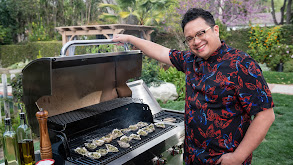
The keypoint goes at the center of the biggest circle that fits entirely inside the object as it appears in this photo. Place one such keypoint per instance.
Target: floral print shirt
(222, 94)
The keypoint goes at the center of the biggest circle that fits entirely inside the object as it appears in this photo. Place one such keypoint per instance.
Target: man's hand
(229, 159)
(121, 38)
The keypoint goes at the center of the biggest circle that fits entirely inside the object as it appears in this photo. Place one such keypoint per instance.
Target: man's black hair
(194, 13)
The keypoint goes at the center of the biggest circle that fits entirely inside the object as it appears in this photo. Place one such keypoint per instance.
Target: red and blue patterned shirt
(222, 94)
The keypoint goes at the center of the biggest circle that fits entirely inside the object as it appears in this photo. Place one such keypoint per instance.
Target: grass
(278, 77)
(277, 148)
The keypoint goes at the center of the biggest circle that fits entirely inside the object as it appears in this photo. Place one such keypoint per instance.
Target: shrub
(175, 77)
(287, 34)
(239, 39)
(279, 54)
(224, 34)
(288, 66)
(11, 54)
(261, 41)
(150, 70)
(103, 48)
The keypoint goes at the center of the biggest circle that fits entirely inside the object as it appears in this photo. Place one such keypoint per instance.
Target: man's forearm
(255, 133)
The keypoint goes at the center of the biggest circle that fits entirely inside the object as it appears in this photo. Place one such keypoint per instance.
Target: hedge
(11, 54)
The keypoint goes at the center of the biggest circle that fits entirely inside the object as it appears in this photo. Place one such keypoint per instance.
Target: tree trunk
(89, 14)
(55, 9)
(282, 12)
(273, 12)
(288, 15)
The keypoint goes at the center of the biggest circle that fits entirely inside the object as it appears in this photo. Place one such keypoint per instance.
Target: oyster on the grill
(142, 132)
(135, 136)
(98, 142)
(91, 146)
(81, 151)
(133, 127)
(107, 139)
(102, 151)
(141, 124)
(111, 148)
(169, 119)
(125, 130)
(94, 155)
(116, 133)
(125, 139)
(151, 127)
(160, 125)
(147, 129)
(123, 144)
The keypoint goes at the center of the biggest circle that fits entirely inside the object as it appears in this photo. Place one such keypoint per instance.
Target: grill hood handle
(88, 43)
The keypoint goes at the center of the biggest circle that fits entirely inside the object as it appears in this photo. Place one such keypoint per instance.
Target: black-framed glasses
(199, 35)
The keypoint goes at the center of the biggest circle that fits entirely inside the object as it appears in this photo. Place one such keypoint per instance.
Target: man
(224, 89)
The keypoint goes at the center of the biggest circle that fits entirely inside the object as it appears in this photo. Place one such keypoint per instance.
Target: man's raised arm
(149, 48)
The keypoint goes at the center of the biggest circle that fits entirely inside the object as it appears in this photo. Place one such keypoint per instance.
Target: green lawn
(278, 77)
(277, 148)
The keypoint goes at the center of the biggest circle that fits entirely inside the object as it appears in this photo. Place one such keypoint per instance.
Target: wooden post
(5, 93)
(15, 107)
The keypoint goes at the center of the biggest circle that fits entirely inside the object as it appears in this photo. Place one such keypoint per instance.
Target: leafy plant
(224, 34)
(262, 40)
(16, 84)
(142, 12)
(19, 65)
(38, 32)
(279, 54)
(175, 77)
(3, 34)
(288, 66)
(150, 71)
(103, 49)
(287, 34)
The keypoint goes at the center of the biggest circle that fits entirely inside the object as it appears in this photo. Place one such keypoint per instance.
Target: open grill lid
(66, 83)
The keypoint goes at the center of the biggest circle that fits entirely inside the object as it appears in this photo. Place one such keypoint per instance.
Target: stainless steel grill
(87, 97)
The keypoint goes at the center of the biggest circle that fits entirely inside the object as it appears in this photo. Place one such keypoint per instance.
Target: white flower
(270, 56)
(292, 56)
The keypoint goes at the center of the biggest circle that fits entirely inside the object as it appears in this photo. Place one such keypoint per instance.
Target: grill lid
(67, 83)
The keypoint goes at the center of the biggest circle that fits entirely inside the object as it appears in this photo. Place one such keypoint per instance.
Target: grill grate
(165, 114)
(79, 142)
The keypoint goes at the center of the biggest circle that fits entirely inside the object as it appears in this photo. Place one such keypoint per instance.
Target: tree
(142, 12)
(286, 8)
(225, 10)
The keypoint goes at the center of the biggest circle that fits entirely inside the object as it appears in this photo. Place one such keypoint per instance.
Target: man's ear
(216, 30)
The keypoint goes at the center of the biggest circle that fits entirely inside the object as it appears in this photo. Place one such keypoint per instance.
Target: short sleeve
(177, 59)
(252, 89)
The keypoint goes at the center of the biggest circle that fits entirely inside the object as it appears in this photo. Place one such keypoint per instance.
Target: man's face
(206, 44)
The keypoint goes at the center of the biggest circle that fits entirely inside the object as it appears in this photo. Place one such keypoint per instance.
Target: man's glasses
(199, 35)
